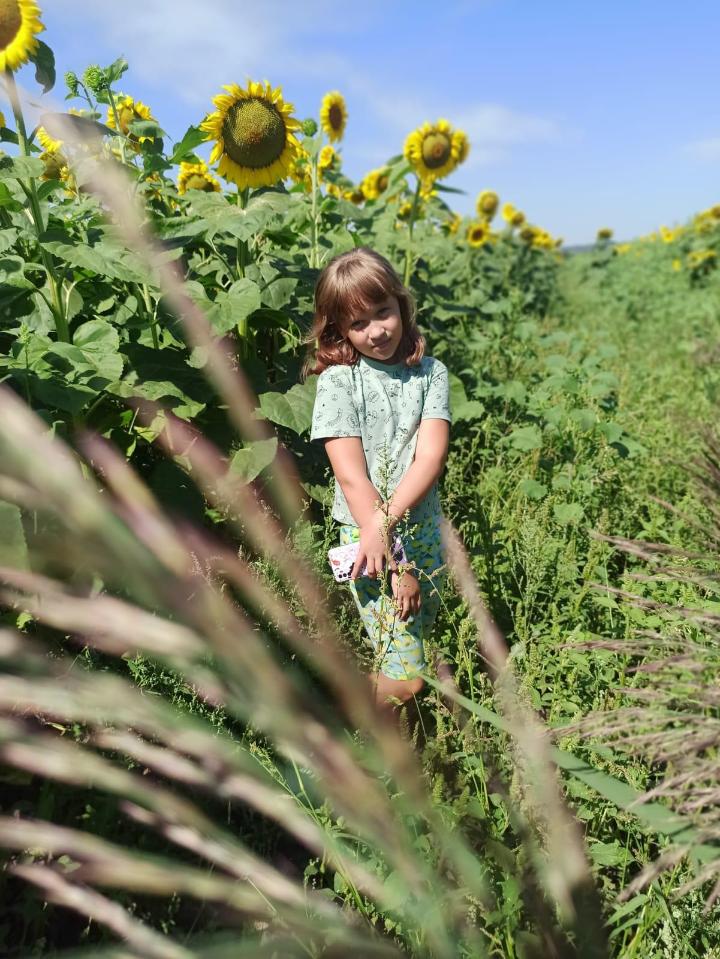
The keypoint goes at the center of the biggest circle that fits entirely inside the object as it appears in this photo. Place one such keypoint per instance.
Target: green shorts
(399, 644)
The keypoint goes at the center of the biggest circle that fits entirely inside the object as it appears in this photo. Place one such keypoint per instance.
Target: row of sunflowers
(256, 142)
(693, 248)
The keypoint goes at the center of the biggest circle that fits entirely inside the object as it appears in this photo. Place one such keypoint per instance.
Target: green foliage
(572, 382)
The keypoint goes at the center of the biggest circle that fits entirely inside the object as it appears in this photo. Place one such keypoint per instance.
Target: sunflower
(48, 143)
(462, 145)
(512, 216)
(128, 110)
(542, 240)
(487, 204)
(404, 210)
(355, 196)
(253, 133)
(328, 158)
(19, 25)
(55, 166)
(2, 120)
(478, 233)
(604, 233)
(333, 115)
(452, 225)
(433, 150)
(528, 233)
(196, 176)
(374, 183)
(299, 169)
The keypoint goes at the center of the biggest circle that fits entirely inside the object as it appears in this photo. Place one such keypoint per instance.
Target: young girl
(382, 410)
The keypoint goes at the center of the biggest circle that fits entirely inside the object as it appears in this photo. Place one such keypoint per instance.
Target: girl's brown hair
(351, 282)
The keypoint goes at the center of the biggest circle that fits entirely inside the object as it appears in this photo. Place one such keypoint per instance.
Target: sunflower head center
(436, 150)
(335, 116)
(196, 181)
(10, 22)
(254, 133)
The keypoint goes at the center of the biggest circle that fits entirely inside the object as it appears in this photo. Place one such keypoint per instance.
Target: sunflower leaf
(447, 189)
(146, 128)
(192, 138)
(292, 409)
(44, 60)
(116, 69)
(250, 461)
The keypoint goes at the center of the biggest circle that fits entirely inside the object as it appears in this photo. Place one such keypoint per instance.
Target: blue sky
(583, 115)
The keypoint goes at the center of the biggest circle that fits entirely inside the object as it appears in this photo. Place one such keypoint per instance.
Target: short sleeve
(436, 404)
(334, 411)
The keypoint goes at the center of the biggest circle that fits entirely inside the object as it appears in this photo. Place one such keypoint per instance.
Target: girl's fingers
(357, 566)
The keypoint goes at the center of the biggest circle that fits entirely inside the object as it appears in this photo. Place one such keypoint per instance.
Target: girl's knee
(402, 689)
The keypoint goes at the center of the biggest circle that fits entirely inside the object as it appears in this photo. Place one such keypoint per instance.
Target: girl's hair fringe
(349, 283)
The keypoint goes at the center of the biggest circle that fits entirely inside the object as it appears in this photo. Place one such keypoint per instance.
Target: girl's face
(377, 330)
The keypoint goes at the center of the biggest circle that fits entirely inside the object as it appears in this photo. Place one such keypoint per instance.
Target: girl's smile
(376, 331)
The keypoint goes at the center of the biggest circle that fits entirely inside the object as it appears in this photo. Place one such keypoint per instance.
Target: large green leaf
(103, 258)
(233, 305)
(221, 216)
(163, 375)
(12, 273)
(253, 458)
(192, 138)
(44, 60)
(20, 168)
(167, 393)
(525, 438)
(99, 341)
(292, 409)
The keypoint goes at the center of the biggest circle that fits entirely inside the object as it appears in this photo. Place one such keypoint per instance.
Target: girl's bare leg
(387, 690)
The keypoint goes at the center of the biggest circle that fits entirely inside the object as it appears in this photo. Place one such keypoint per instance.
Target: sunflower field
(190, 762)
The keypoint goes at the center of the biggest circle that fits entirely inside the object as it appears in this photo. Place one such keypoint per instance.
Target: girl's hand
(374, 548)
(406, 592)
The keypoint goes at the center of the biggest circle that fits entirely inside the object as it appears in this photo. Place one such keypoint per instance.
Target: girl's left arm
(430, 455)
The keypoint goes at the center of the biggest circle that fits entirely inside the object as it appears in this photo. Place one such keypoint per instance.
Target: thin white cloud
(195, 48)
(704, 151)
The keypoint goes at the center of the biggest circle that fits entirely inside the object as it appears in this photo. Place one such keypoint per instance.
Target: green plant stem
(152, 322)
(242, 259)
(411, 225)
(242, 246)
(116, 117)
(313, 214)
(61, 324)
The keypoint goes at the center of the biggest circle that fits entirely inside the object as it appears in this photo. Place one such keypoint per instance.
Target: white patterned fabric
(383, 404)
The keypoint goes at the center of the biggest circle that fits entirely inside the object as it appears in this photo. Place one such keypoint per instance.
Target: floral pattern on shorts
(399, 644)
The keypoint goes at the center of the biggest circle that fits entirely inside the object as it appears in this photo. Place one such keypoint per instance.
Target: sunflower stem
(151, 314)
(242, 246)
(116, 117)
(313, 213)
(61, 325)
(242, 262)
(411, 224)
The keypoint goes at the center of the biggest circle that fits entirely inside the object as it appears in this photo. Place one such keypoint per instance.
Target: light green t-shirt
(383, 404)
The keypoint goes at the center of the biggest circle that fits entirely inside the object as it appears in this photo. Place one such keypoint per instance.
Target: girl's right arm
(349, 465)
